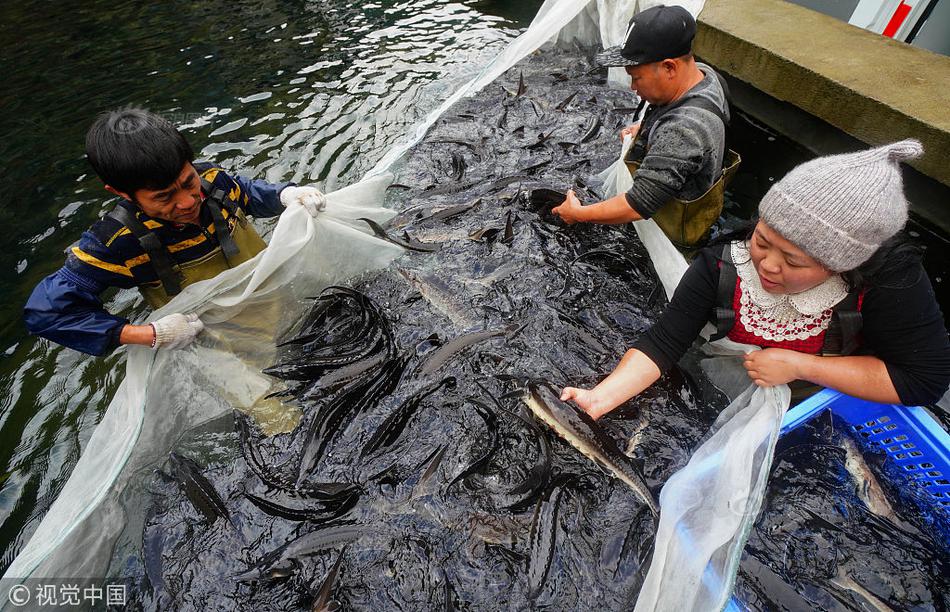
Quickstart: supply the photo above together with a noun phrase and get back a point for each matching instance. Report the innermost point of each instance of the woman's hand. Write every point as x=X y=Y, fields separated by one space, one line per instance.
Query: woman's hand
x=586 y=399
x=774 y=366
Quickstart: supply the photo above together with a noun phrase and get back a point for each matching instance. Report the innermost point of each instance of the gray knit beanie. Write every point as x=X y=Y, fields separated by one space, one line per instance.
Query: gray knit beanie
x=840 y=208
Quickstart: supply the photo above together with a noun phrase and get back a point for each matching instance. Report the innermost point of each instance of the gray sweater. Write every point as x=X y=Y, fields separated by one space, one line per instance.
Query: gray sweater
x=685 y=150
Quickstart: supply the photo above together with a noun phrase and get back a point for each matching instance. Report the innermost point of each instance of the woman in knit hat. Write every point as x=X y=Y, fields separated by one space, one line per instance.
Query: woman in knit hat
x=823 y=284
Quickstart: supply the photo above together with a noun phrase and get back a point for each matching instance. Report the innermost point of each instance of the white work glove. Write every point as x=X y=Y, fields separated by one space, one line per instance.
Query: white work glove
x=176 y=330
x=310 y=198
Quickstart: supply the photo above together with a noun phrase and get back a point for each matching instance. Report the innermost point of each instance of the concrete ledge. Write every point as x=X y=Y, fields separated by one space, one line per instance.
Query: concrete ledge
x=872 y=88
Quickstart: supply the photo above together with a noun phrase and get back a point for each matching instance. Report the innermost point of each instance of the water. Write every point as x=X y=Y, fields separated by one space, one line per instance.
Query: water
x=305 y=91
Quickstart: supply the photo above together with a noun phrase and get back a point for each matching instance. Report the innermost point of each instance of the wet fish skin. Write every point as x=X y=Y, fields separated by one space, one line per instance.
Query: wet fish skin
x=578 y=429
x=565 y=102
x=509 y=230
x=199 y=490
x=537 y=166
x=290 y=508
x=843 y=581
x=491 y=426
x=322 y=600
x=334 y=418
x=453 y=211
x=867 y=487
x=441 y=355
x=381 y=234
x=392 y=427
x=522 y=88
x=593 y=127
x=306 y=545
x=544 y=536
x=458 y=167
x=539 y=474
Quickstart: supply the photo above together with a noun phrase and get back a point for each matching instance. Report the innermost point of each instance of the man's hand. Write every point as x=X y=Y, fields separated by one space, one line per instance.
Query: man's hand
x=630 y=130
x=310 y=198
x=176 y=330
x=570 y=209
x=775 y=366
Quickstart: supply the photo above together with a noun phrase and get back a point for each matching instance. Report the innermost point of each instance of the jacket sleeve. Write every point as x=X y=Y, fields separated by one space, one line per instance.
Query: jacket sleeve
x=679 y=325
x=65 y=308
x=904 y=328
x=263 y=197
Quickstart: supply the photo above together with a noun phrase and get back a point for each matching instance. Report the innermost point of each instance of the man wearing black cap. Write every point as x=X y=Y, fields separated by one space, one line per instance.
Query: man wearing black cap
x=679 y=147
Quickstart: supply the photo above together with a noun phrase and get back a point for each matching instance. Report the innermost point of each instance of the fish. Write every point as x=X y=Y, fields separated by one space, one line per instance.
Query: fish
x=453 y=211
x=290 y=508
x=309 y=544
x=866 y=485
x=441 y=355
x=593 y=126
x=488 y=233
x=580 y=431
x=491 y=426
x=440 y=296
x=381 y=233
x=434 y=462
x=542 y=138
x=198 y=489
x=533 y=167
x=458 y=167
x=843 y=581
x=521 y=86
x=392 y=427
x=509 y=230
x=335 y=416
x=544 y=536
x=565 y=102
x=322 y=601
x=538 y=474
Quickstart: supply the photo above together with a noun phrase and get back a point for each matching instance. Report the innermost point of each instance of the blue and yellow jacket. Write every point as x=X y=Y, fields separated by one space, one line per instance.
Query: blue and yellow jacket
x=65 y=306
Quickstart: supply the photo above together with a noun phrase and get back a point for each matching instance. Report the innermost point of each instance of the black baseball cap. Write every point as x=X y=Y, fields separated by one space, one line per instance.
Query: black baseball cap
x=658 y=33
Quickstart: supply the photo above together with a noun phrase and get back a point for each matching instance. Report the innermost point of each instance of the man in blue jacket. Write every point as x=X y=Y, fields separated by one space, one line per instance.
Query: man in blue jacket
x=178 y=222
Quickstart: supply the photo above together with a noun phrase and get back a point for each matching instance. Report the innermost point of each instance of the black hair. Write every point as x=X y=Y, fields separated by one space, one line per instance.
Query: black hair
x=131 y=149
x=895 y=255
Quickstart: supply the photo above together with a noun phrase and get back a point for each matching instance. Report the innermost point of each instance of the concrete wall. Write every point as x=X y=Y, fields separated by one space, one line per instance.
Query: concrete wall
x=870 y=87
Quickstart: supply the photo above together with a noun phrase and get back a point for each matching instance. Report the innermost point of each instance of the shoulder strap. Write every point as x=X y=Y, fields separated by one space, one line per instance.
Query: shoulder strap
x=157 y=253
x=724 y=314
x=216 y=200
x=848 y=320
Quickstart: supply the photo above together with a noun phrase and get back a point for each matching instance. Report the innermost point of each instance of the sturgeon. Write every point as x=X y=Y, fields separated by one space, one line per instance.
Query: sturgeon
x=580 y=431
x=284 y=559
x=200 y=492
x=322 y=601
x=866 y=485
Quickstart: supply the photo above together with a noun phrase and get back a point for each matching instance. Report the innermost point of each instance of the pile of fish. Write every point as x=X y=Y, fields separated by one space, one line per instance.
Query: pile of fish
x=434 y=466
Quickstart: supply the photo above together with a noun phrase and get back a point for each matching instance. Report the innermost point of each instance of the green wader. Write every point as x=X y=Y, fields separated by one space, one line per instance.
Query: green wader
x=687 y=222
x=248 y=242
